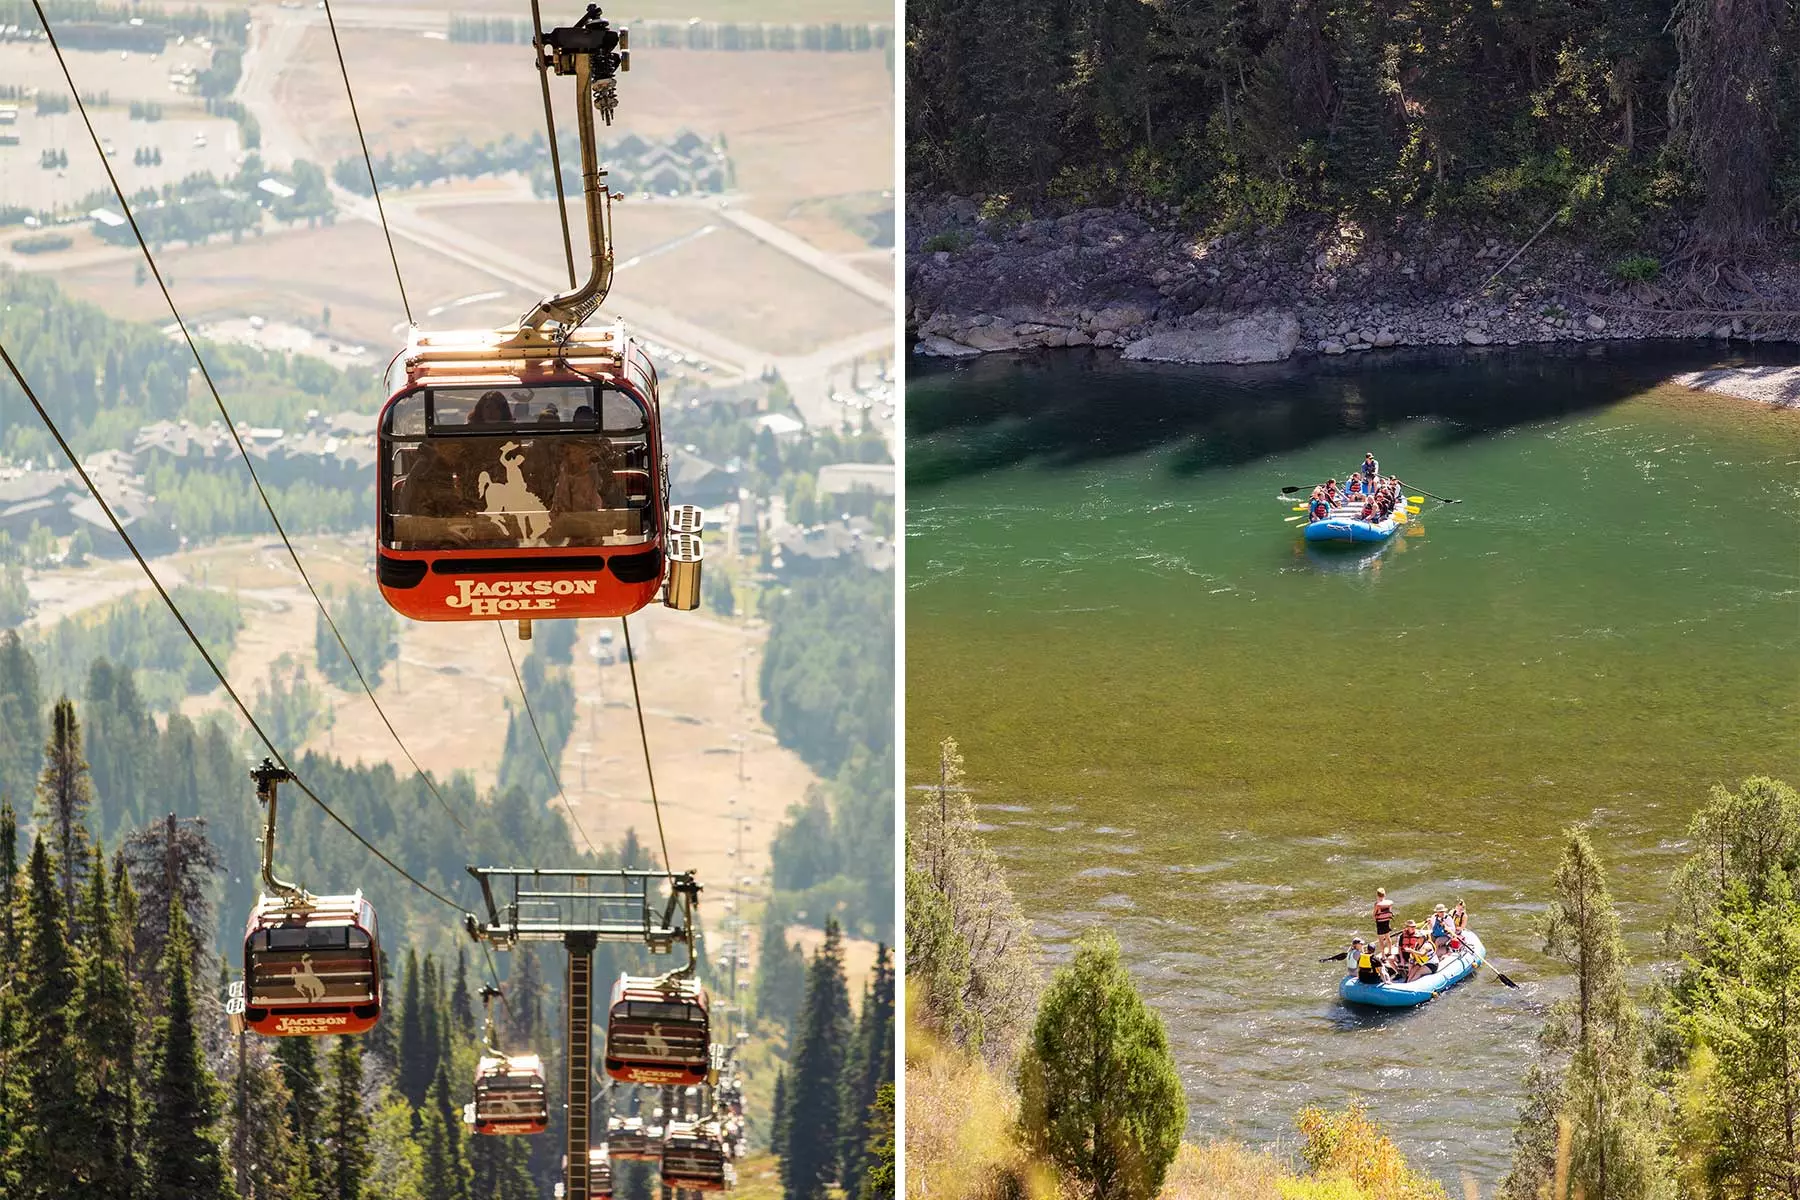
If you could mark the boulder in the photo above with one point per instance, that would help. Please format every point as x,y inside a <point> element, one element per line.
<point>943,347</point>
<point>1260,337</point>
<point>1117,317</point>
<point>991,337</point>
<point>1331,346</point>
<point>1476,337</point>
<point>1385,338</point>
<point>1596,322</point>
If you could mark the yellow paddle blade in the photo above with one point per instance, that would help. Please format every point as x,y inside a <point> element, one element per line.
<point>1415,499</point>
<point>1400,517</point>
<point>1299,508</point>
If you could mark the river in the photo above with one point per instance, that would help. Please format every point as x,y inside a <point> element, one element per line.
<point>1183,725</point>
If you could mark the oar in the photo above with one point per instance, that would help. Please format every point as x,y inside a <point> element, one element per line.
<point>1340,956</point>
<point>1290,520</point>
<point>1435,496</point>
<point>1496,970</point>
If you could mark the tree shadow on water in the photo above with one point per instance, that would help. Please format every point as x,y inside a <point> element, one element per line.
<point>1063,409</point>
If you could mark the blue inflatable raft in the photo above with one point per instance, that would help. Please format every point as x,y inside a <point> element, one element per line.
<point>1342,526</point>
<point>1451,971</point>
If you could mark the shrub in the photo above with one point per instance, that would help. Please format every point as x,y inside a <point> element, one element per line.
<point>42,243</point>
<point>951,240</point>
<point>1098,1092</point>
<point>1637,268</point>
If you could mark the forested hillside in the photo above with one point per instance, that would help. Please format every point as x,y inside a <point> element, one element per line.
<point>1636,118</point>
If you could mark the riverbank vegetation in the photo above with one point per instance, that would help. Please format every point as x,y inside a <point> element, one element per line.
<point>1630,120</point>
<point>1690,1088</point>
<point>1019,1090</point>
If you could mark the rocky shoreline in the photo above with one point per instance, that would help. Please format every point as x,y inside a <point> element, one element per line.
<point>1112,278</point>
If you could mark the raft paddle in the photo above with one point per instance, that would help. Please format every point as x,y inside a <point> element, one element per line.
<point>1496,970</point>
<point>1340,956</point>
<point>1435,496</point>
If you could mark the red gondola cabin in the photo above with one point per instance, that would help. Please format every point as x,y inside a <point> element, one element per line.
<point>509,1095</point>
<point>312,968</point>
<point>518,483</point>
<point>657,1031</point>
<point>627,1141</point>
<point>693,1157</point>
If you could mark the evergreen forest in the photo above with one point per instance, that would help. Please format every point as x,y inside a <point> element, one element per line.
<point>1636,121</point>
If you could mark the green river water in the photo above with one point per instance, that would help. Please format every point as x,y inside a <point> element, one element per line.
<point>1183,725</point>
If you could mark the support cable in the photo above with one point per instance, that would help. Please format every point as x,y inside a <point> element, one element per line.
<point>175,611</point>
<point>374,187</point>
<point>644,736</point>
<point>231,427</point>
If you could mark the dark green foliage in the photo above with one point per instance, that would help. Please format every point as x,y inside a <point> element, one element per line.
<point>346,1125</point>
<point>47,1138</point>
<point>780,979</point>
<point>1098,1091</point>
<point>139,637</point>
<point>22,715</point>
<point>1592,1051</point>
<point>938,956</point>
<point>869,1067</point>
<point>64,796</point>
<point>369,628</point>
<point>827,688</point>
<point>813,1103</point>
<point>1252,113</point>
<point>104,1011</point>
<point>828,673</point>
<point>416,1054</point>
<point>181,1146</point>
<point>299,1063</point>
<point>878,1179</point>
<point>446,1175</point>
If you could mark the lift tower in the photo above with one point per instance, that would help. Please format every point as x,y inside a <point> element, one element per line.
<point>581,908</point>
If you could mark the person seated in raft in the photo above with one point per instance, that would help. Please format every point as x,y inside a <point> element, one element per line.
<point>1366,965</point>
<point>1321,508</point>
<point>1422,960</point>
<point>1331,490</point>
<point>1367,513</point>
<point>1459,916</point>
<point>1354,489</point>
<point>1411,938</point>
<point>1441,929</point>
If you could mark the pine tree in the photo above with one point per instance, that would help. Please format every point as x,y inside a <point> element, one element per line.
<point>780,978</point>
<point>168,859</point>
<point>64,795</point>
<point>445,1176</point>
<point>878,1179</point>
<point>125,909</point>
<point>346,1125</point>
<point>434,1026</point>
<point>48,1137</point>
<point>871,1064</point>
<point>462,1008</point>
<point>21,715</point>
<point>9,890</point>
<point>810,1152</point>
<point>413,1081</point>
<point>780,1125</point>
<point>1098,1092</point>
<point>299,1062</point>
<point>181,1144</point>
<point>105,1051</point>
<point>275,1160</point>
<point>1604,1092</point>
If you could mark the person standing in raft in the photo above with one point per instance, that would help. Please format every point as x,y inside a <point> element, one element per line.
<point>1371,470</point>
<point>1384,918</point>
